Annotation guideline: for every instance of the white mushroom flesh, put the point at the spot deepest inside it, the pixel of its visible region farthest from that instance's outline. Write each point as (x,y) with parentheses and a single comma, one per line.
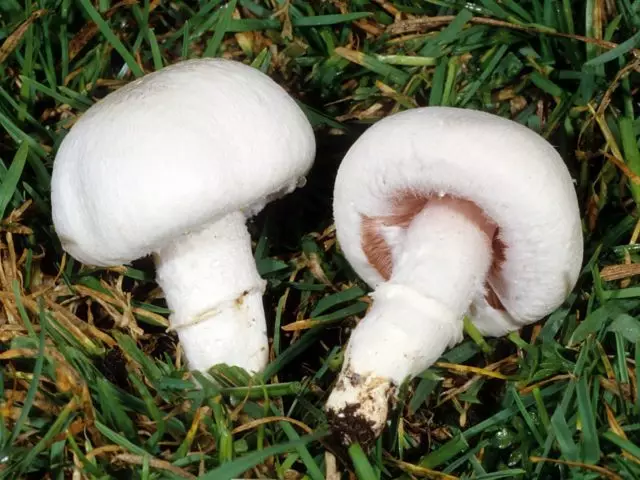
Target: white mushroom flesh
(214,291)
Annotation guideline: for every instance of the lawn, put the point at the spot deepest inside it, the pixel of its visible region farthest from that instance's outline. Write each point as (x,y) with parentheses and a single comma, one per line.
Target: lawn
(93,386)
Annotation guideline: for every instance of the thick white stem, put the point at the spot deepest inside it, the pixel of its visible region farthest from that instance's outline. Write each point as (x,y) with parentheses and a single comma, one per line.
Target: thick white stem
(214,291)
(415,317)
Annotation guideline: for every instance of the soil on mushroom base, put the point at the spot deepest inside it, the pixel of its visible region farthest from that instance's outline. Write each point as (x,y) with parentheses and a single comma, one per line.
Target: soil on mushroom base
(349,426)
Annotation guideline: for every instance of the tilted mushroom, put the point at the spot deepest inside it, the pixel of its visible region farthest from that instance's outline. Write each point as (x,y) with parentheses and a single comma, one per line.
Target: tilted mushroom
(446,212)
(172,164)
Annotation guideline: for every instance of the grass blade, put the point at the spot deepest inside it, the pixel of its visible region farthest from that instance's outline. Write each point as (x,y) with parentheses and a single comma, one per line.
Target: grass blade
(11,179)
(112,38)
(237,467)
(221,28)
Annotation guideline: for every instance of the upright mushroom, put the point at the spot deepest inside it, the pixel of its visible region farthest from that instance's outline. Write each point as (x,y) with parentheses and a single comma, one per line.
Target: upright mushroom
(172,164)
(446,212)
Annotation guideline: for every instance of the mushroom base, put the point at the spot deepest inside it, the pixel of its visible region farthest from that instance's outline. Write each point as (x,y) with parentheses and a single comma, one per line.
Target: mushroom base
(213,288)
(358,407)
(401,335)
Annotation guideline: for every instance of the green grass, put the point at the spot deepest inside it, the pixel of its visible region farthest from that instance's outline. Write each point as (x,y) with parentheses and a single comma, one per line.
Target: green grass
(87,389)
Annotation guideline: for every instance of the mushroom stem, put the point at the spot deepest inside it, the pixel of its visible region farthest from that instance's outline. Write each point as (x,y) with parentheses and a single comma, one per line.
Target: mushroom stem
(416,314)
(214,291)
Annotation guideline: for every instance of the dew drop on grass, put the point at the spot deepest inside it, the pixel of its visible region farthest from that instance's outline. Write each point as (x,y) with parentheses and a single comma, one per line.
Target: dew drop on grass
(504,438)
(515,459)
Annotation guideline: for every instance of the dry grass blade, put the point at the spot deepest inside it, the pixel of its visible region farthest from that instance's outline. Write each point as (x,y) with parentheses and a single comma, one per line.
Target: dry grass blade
(613,423)
(556,378)
(635,178)
(422,23)
(422,472)
(623,73)
(593,468)
(471,369)
(301,325)
(262,421)
(618,272)
(154,462)
(13,40)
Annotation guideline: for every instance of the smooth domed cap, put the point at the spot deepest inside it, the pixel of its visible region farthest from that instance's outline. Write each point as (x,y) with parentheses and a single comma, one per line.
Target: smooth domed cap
(171,152)
(513,174)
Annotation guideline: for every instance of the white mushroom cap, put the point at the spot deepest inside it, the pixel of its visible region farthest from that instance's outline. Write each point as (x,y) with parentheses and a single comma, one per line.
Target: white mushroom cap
(173,151)
(173,164)
(511,173)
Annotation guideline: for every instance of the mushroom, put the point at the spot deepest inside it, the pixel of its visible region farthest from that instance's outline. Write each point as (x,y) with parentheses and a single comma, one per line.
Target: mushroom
(173,164)
(445,213)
